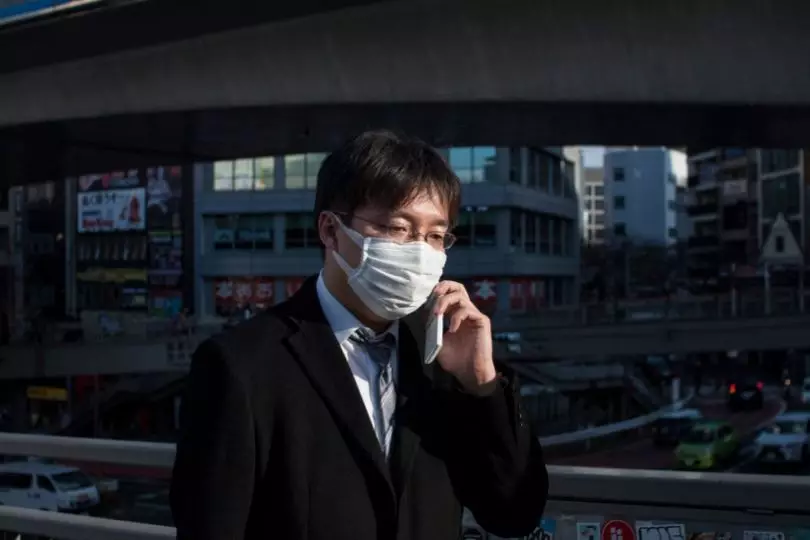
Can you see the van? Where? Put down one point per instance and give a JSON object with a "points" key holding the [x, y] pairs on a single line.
{"points": [[50, 487], [672, 426]]}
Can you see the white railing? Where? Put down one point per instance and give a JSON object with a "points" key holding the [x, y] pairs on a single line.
{"points": [[613, 429], [603, 491]]}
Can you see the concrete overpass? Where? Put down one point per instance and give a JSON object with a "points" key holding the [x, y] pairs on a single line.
{"points": [[302, 76]]}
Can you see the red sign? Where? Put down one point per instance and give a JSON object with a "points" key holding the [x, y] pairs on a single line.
{"points": [[617, 529], [292, 285], [484, 293], [263, 293], [241, 292]]}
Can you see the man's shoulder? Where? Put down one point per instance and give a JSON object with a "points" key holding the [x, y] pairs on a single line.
{"points": [[252, 343]]}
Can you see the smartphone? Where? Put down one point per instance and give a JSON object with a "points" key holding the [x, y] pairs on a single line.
{"points": [[433, 334]]}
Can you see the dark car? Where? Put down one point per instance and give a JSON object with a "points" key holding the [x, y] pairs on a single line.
{"points": [[745, 394]]}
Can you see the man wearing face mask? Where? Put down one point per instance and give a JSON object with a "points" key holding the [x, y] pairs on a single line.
{"points": [[319, 418]]}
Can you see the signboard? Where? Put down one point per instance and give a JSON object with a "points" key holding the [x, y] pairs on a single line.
{"points": [[112, 210], [113, 180], [46, 393], [646, 530], [484, 293], [231, 293]]}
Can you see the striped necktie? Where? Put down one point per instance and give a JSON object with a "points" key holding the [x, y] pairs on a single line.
{"points": [[380, 349]]}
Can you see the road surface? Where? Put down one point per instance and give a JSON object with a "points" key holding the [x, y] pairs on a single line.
{"points": [[642, 454]]}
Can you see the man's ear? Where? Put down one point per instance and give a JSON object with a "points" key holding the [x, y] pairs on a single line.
{"points": [[327, 230]]}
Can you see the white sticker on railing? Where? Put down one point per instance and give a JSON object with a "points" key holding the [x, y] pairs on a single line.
{"points": [[646, 530], [763, 535]]}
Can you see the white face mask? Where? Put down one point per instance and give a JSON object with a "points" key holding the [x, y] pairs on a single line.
{"points": [[393, 280]]}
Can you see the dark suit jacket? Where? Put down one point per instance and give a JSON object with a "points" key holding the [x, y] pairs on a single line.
{"points": [[276, 443]]}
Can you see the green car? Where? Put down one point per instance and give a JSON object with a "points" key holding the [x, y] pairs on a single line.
{"points": [[707, 445]]}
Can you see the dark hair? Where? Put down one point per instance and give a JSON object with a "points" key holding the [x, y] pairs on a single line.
{"points": [[384, 169]]}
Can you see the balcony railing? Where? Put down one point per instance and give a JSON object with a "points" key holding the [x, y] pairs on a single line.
{"points": [[720, 500]]}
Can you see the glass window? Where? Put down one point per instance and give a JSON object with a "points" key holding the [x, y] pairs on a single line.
{"points": [[484, 228], [43, 482], [461, 162], [544, 162], [599, 204], [484, 164], [243, 175], [295, 171], [781, 195], [223, 176], [545, 240], [224, 232], [530, 245], [619, 229], [515, 164], [618, 202], [300, 231], [556, 177], [672, 205], [516, 228], [779, 160], [532, 169], [263, 231], [264, 169], [618, 174], [673, 232], [599, 190], [244, 232], [313, 165], [463, 229], [556, 236]]}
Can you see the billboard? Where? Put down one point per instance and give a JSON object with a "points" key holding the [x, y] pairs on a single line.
{"points": [[112, 210]]}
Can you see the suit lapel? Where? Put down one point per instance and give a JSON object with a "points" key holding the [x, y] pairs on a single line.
{"points": [[412, 399], [314, 346]]}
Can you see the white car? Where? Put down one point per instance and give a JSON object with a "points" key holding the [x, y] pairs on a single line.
{"points": [[786, 440], [43, 486]]}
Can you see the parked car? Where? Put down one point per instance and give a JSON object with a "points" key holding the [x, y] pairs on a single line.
{"points": [[786, 440], [707, 445], [669, 429], [746, 394], [47, 486]]}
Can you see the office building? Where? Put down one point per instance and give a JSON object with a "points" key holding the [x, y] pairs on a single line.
{"points": [[641, 195], [517, 248], [724, 204], [593, 206]]}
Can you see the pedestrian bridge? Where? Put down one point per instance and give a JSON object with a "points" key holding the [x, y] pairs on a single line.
{"points": [[679, 502]]}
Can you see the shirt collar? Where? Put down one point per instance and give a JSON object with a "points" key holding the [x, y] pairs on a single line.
{"points": [[340, 319]]}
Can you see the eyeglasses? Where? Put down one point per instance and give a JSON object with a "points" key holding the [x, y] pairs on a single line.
{"points": [[439, 240]]}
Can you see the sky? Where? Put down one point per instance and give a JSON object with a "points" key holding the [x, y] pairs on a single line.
{"points": [[592, 155]]}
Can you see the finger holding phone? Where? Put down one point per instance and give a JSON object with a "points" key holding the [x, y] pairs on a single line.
{"points": [[466, 349]]}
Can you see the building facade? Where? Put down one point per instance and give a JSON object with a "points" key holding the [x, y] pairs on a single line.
{"points": [[593, 206], [517, 247], [724, 205], [641, 195]]}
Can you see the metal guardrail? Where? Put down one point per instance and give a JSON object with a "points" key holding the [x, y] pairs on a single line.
{"points": [[612, 429], [570, 488]]}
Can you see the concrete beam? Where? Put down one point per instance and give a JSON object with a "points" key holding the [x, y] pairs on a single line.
{"points": [[673, 51]]}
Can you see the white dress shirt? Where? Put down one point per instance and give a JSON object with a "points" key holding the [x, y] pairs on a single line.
{"points": [[364, 369]]}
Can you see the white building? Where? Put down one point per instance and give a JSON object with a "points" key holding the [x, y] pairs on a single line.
{"points": [[641, 195]]}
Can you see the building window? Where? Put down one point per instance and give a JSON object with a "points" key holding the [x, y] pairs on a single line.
{"points": [[474, 165], [671, 179], [476, 227], [265, 169], [618, 174], [485, 228], [673, 232], [300, 232], [516, 228], [301, 170], [779, 244], [463, 229], [244, 174], [618, 202], [556, 177], [599, 190], [530, 245], [672, 205], [620, 229], [243, 231], [556, 236], [781, 195], [545, 240], [515, 163], [779, 160]]}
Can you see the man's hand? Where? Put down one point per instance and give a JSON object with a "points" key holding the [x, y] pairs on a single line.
{"points": [[466, 351]]}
